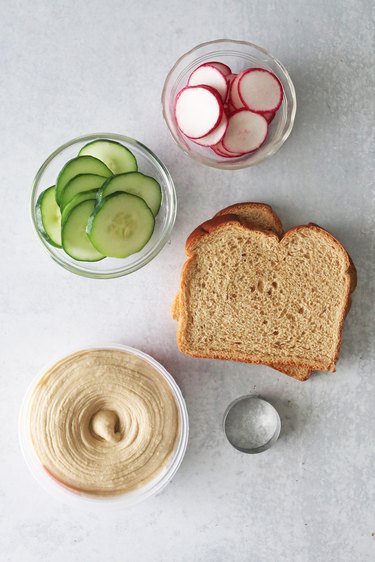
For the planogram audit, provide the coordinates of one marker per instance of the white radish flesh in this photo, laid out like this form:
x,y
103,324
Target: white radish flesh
x,y
246,131
224,68
198,111
259,90
209,76
216,135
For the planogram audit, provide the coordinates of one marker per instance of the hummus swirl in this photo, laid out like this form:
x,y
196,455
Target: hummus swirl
x,y
103,422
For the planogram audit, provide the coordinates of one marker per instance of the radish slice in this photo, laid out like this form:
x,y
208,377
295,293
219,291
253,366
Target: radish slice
x,y
259,90
221,151
224,68
216,135
208,75
229,78
231,109
198,111
223,155
269,116
220,147
234,96
246,131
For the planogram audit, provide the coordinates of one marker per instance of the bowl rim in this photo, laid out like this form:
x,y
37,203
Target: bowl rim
x,y
247,162
72,497
77,268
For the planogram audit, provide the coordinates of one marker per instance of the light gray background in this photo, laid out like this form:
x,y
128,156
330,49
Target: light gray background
x,y
69,68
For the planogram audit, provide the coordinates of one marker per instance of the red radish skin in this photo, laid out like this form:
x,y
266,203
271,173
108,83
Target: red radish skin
x,y
269,116
224,68
216,135
259,90
198,111
246,132
207,75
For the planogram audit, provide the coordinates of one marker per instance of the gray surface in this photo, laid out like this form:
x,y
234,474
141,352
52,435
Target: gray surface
x,y
73,67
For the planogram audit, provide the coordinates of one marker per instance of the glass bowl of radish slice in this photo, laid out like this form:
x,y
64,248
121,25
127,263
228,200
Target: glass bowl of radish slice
x,y
103,205
229,104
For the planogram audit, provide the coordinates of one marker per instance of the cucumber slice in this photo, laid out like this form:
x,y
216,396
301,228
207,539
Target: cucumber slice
x,y
120,225
76,166
75,241
79,184
48,217
116,156
79,198
136,183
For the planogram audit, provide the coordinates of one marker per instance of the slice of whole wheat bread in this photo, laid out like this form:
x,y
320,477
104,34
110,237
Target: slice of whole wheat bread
x,y
248,295
262,216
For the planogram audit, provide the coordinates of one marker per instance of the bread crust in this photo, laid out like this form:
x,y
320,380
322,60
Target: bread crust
x,y
223,221
174,307
207,227
353,270
262,207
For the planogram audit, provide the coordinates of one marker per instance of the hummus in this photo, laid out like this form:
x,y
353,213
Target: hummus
x,y
103,422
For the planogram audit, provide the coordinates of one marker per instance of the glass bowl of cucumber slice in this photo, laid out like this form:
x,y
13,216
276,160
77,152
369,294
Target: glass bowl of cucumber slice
x,y
103,205
243,134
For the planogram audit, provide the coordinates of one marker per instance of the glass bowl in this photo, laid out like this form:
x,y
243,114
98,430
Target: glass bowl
x,y
78,499
238,55
148,163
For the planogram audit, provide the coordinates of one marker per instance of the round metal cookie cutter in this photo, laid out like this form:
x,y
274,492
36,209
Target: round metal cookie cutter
x,y
251,424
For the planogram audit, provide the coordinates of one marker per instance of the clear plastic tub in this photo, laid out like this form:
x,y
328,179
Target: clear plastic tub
x,y
74,498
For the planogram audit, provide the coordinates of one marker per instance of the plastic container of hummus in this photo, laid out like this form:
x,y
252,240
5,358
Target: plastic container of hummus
x,y
104,425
